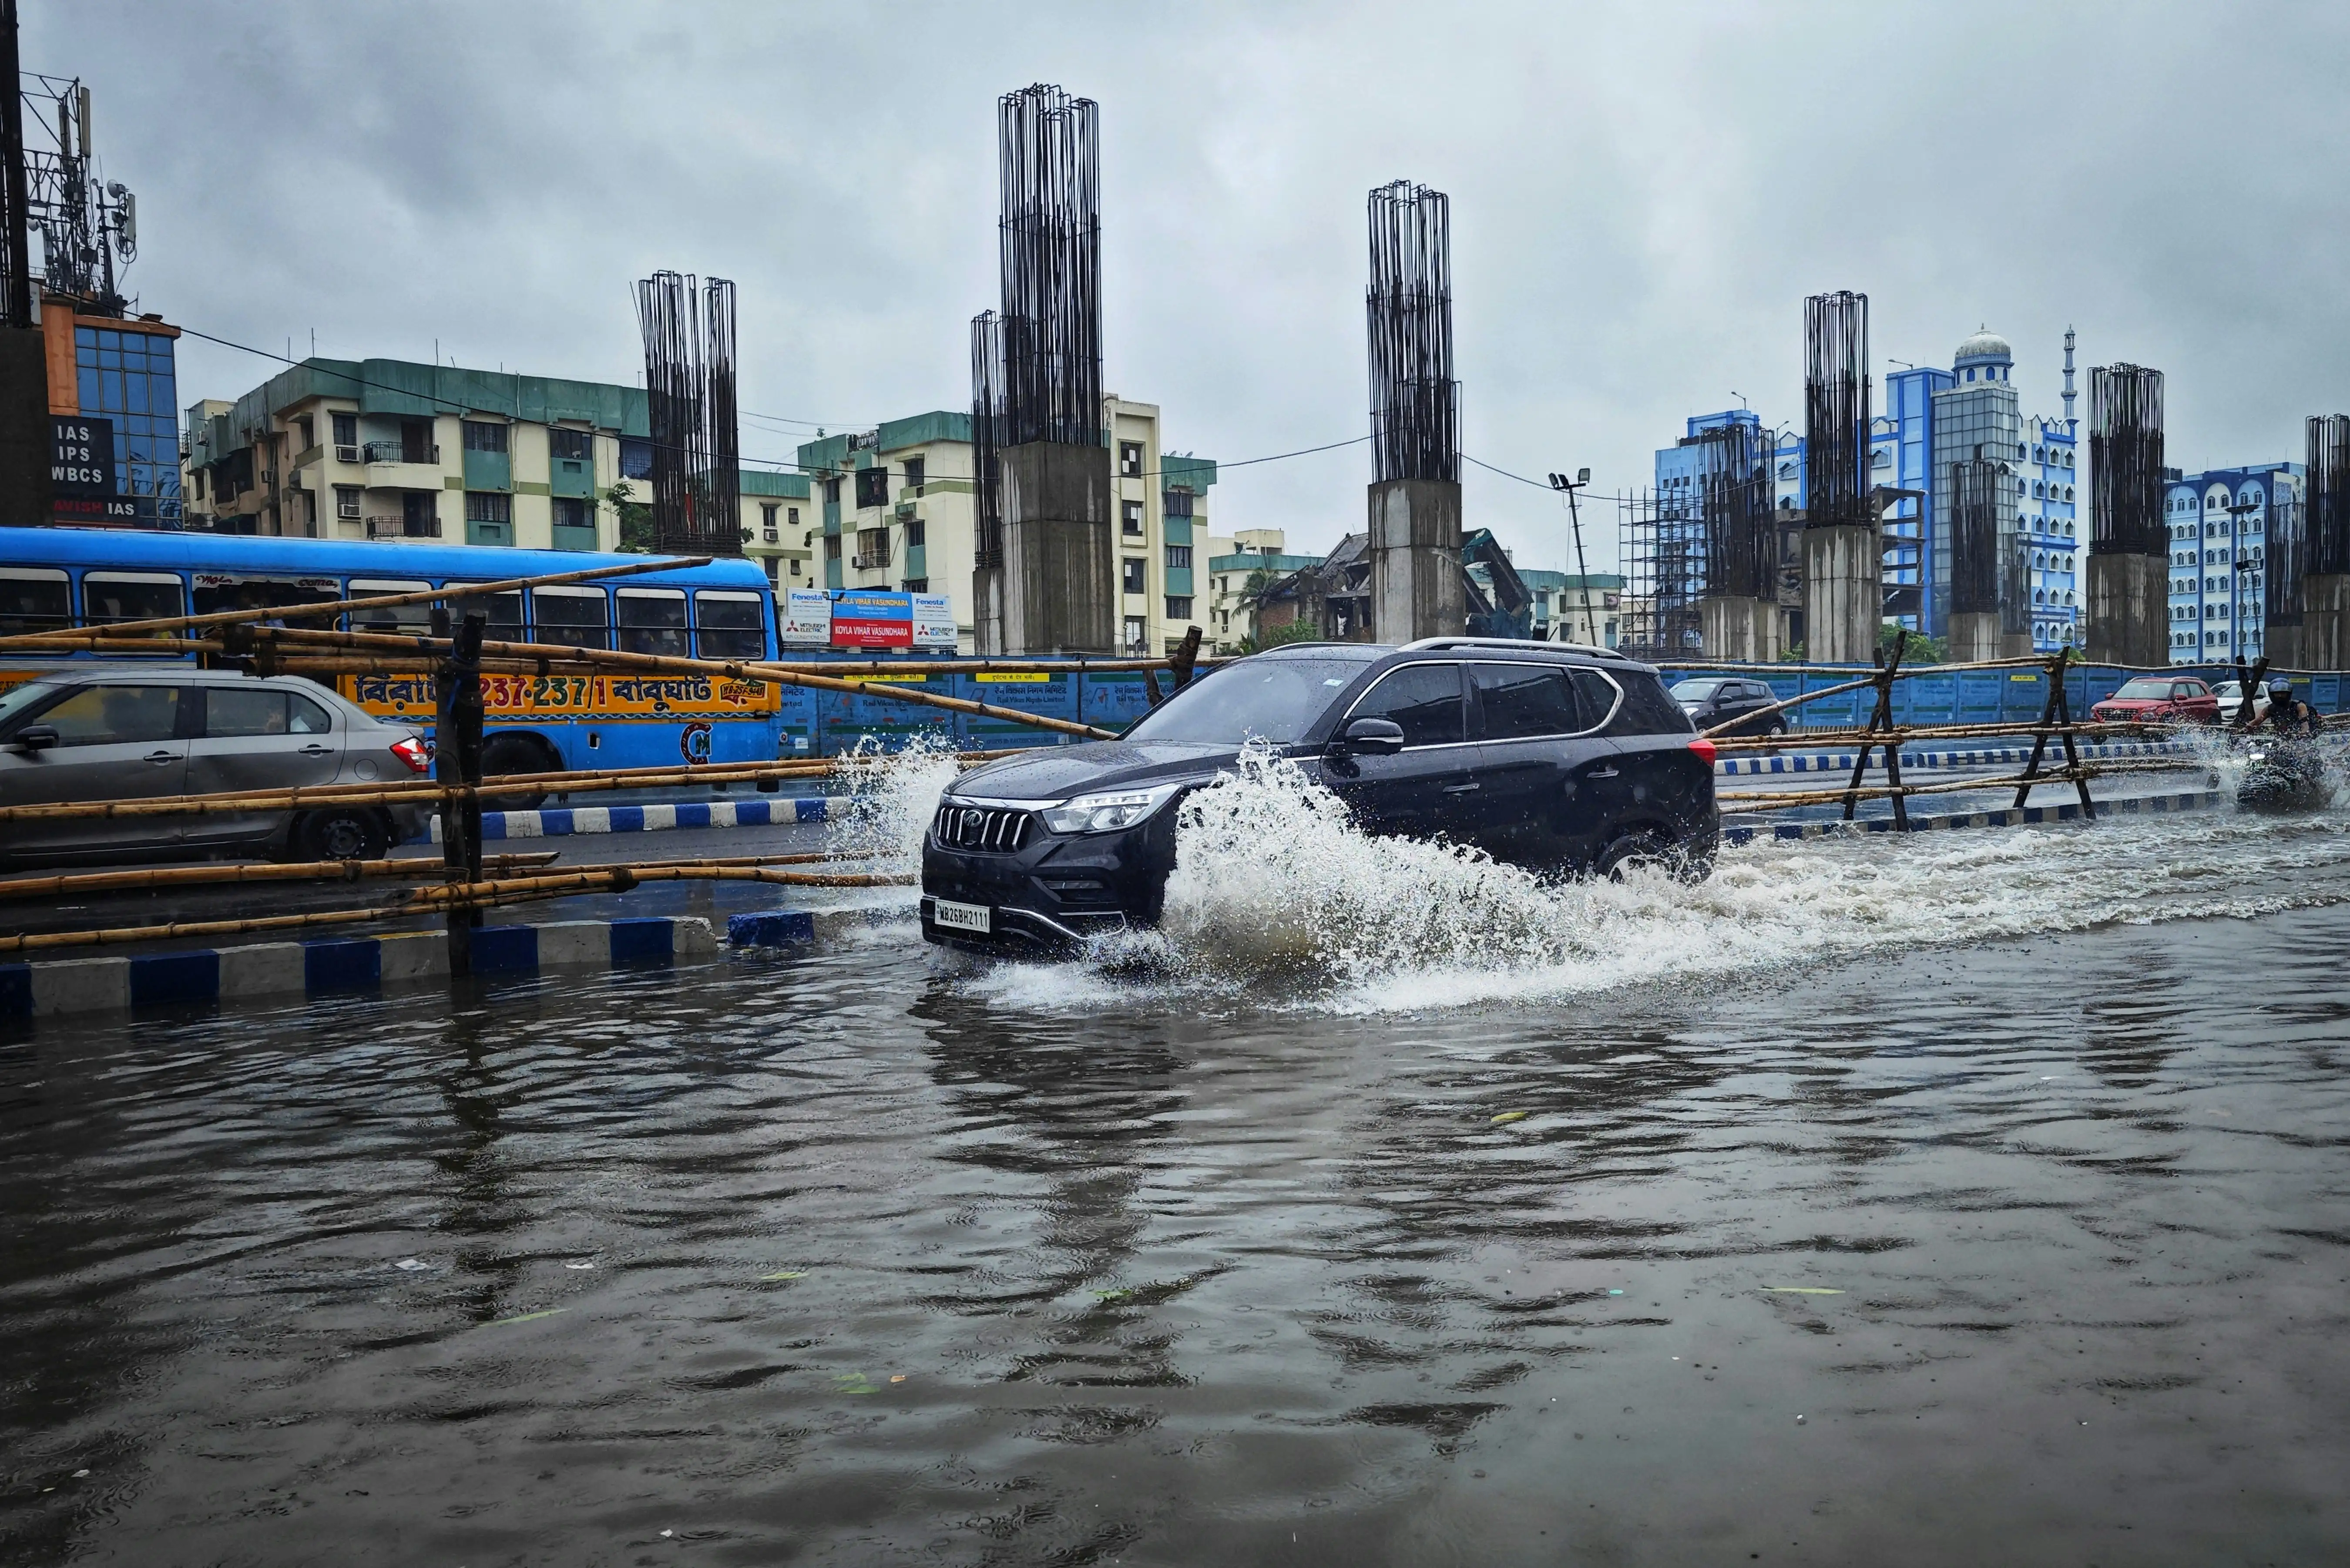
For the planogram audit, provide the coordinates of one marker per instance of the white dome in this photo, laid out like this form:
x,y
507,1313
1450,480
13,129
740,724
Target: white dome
x,y
1984,346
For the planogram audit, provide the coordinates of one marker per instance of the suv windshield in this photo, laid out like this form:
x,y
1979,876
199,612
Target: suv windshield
x,y
1696,690
1275,699
2144,688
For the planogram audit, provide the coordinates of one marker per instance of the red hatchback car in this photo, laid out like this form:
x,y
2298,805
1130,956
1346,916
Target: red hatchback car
x,y
2160,700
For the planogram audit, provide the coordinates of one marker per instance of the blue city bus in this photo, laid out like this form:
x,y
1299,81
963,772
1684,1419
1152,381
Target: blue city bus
x,y
53,578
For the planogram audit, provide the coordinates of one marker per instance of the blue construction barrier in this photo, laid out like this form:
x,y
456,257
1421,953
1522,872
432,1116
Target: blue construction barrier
x,y
1976,696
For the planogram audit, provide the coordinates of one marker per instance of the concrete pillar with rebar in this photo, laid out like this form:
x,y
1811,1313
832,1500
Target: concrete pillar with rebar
x,y
1414,503
1844,551
2129,545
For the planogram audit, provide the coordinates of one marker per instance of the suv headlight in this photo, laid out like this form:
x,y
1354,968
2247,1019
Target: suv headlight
x,y
1107,812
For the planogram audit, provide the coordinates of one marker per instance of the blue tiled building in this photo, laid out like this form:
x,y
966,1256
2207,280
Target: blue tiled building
x,y
2220,523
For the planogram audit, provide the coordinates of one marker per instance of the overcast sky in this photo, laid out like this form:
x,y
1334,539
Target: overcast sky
x,y
1642,195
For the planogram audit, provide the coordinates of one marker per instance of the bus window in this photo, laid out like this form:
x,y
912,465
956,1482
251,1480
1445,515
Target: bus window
x,y
110,597
504,611
575,618
406,620
731,625
218,591
34,598
652,620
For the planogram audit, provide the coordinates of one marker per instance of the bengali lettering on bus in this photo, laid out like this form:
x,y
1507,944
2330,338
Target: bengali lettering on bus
x,y
512,696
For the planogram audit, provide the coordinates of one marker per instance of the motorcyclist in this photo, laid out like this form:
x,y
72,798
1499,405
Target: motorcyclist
x,y
2289,717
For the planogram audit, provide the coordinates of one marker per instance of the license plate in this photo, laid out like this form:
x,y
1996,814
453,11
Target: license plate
x,y
956,917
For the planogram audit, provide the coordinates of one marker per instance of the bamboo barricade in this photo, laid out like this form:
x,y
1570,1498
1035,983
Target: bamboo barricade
x,y
39,641
577,661
445,898
674,664
414,867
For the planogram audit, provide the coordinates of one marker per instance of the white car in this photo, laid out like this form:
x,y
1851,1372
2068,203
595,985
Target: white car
x,y
2231,694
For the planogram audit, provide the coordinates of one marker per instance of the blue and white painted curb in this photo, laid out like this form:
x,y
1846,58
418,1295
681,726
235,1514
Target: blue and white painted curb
x,y
562,822
1842,761
2020,816
339,964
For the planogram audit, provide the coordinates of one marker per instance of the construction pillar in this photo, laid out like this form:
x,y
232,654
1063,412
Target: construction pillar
x,y
1056,591
2325,624
457,760
1415,545
1844,594
1740,630
2130,610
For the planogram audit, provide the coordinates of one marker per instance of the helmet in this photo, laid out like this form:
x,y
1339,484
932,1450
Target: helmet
x,y
2279,691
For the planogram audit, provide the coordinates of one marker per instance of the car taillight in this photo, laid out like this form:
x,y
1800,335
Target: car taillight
x,y
410,750
1704,749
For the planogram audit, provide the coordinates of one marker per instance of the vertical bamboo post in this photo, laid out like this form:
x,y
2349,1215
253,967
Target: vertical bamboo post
x,y
1185,658
457,760
1881,721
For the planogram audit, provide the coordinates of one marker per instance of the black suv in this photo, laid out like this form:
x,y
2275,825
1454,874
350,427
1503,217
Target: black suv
x,y
1714,701
1550,758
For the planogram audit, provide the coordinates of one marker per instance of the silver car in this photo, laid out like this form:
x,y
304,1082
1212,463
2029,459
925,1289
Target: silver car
x,y
121,733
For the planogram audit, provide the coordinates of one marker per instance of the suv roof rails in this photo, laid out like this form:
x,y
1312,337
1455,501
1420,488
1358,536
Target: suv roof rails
x,y
1523,645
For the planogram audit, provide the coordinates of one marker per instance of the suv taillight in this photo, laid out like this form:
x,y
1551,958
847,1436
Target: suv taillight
x,y
1704,750
410,750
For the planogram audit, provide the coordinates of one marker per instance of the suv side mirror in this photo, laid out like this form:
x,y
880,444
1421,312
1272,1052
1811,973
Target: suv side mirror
x,y
33,738
1372,738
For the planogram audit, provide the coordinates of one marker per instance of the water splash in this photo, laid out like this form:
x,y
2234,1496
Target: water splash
x,y
1278,899
892,797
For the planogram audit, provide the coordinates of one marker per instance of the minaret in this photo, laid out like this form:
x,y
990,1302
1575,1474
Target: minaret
x,y
2068,379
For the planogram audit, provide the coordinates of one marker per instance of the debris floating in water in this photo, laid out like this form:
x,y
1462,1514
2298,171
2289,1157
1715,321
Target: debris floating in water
x,y
1803,1290
787,1274
1513,1115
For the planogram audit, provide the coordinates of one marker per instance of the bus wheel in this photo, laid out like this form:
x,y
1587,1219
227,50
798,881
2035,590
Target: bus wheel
x,y
502,756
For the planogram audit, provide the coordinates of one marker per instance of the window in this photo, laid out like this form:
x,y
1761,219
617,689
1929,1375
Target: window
x,y
306,433
1133,580
635,457
918,533
115,716
872,487
488,507
832,546
1178,557
412,619
652,620
107,597
918,585
1521,701
768,518
347,503
575,617
346,437
482,436
872,547
1179,607
730,625
1424,700
914,466
1133,638
1129,518
571,512
34,598
573,446
232,713
792,515
1129,459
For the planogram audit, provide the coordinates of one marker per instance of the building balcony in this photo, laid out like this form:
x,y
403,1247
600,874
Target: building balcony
x,y
398,527
376,452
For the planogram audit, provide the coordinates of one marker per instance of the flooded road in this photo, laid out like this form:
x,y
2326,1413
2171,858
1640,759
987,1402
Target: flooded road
x,y
1985,1199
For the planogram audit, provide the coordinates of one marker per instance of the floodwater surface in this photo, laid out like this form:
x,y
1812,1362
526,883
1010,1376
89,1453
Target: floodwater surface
x,y
1975,1200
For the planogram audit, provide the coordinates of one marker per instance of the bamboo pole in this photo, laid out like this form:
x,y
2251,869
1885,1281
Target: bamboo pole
x,y
672,664
416,868
1781,799
1814,739
38,641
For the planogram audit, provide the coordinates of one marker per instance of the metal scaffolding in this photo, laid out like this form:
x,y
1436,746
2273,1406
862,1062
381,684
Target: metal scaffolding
x,y
1660,547
1415,401
1836,411
2126,483
690,397
987,437
1988,571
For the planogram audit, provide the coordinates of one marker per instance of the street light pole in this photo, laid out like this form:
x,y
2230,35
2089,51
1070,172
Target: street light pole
x,y
2237,511
1560,481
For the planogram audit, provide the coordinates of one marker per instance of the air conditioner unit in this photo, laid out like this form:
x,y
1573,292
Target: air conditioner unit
x,y
347,453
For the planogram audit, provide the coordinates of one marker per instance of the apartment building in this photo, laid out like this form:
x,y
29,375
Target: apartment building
x,y
1239,569
896,506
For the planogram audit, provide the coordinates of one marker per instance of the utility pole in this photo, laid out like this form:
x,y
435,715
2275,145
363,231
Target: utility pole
x,y
15,244
1560,481
2237,564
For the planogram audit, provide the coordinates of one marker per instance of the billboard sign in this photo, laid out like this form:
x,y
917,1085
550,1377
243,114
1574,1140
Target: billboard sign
x,y
934,623
866,620
81,456
873,619
807,620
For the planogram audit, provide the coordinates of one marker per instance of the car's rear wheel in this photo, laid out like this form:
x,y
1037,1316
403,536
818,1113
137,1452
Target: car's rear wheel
x,y
346,835
1635,851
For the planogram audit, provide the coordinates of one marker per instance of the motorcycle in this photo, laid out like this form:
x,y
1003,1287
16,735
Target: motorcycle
x,y
2284,775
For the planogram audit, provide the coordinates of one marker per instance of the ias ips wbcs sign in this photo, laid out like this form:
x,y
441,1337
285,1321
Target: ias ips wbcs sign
x,y
81,468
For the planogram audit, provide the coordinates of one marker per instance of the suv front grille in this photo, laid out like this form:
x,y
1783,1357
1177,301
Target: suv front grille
x,y
989,829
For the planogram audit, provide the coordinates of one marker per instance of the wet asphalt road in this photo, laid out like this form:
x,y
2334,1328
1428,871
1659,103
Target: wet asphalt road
x,y
2029,1250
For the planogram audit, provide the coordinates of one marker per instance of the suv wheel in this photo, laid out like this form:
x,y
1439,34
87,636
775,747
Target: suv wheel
x,y
1633,849
346,835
